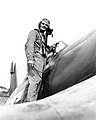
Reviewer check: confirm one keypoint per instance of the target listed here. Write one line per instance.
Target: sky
(70, 20)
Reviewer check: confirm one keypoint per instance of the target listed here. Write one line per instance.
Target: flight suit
(34, 52)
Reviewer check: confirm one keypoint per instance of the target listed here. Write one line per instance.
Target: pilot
(36, 50)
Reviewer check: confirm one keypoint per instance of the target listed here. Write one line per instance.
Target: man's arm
(29, 47)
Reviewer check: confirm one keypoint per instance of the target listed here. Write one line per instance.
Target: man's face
(43, 26)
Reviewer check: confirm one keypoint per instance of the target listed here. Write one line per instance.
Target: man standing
(36, 50)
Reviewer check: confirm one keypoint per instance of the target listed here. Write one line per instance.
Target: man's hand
(53, 47)
(30, 65)
(30, 69)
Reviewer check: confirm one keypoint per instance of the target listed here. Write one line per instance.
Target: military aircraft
(69, 90)
(70, 66)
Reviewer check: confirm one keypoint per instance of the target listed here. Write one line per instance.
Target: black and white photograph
(47, 60)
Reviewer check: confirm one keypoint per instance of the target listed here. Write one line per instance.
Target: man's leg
(33, 88)
(35, 77)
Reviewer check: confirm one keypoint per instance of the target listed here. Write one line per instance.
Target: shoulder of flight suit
(32, 34)
(31, 38)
